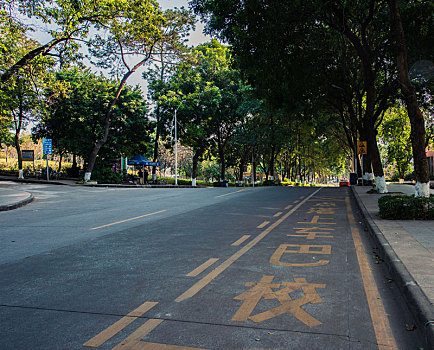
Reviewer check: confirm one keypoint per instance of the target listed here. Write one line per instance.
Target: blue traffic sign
(47, 146)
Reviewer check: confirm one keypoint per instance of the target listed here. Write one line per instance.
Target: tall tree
(132, 36)
(276, 42)
(72, 21)
(409, 93)
(170, 51)
(74, 116)
(395, 132)
(21, 97)
(209, 98)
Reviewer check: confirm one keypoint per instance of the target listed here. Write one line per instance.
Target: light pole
(176, 151)
(176, 146)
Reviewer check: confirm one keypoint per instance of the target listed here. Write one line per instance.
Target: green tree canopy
(74, 118)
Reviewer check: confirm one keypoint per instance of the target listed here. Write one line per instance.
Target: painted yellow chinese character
(300, 249)
(264, 289)
(319, 221)
(323, 208)
(312, 232)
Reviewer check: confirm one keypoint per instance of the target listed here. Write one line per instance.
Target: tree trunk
(59, 169)
(358, 165)
(25, 60)
(366, 166)
(241, 174)
(367, 58)
(221, 151)
(157, 136)
(417, 122)
(254, 169)
(101, 142)
(299, 169)
(198, 153)
(18, 148)
(155, 156)
(377, 166)
(222, 163)
(271, 164)
(369, 123)
(18, 125)
(265, 168)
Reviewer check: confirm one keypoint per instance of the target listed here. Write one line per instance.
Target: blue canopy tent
(140, 160)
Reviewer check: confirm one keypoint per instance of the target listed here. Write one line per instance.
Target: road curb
(32, 181)
(139, 186)
(45, 182)
(18, 204)
(416, 299)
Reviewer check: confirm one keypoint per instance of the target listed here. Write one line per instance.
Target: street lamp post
(176, 150)
(176, 145)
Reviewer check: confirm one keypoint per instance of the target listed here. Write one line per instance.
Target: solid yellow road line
(198, 270)
(277, 214)
(156, 346)
(197, 287)
(133, 341)
(120, 222)
(383, 333)
(228, 194)
(240, 241)
(265, 223)
(115, 328)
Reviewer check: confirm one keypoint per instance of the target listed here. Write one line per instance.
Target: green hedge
(406, 208)
(106, 176)
(271, 183)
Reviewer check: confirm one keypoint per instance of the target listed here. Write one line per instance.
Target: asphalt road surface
(209, 268)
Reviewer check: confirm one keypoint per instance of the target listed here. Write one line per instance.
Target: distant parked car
(344, 182)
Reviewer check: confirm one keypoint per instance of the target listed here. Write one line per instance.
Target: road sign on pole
(362, 147)
(47, 146)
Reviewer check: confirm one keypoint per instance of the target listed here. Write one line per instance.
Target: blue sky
(196, 37)
(173, 3)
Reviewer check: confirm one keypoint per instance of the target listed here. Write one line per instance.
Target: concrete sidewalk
(408, 249)
(11, 197)
(74, 182)
(32, 180)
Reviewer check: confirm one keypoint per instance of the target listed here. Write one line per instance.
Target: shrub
(406, 208)
(203, 183)
(409, 177)
(395, 177)
(171, 181)
(220, 184)
(184, 182)
(106, 176)
(271, 183)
